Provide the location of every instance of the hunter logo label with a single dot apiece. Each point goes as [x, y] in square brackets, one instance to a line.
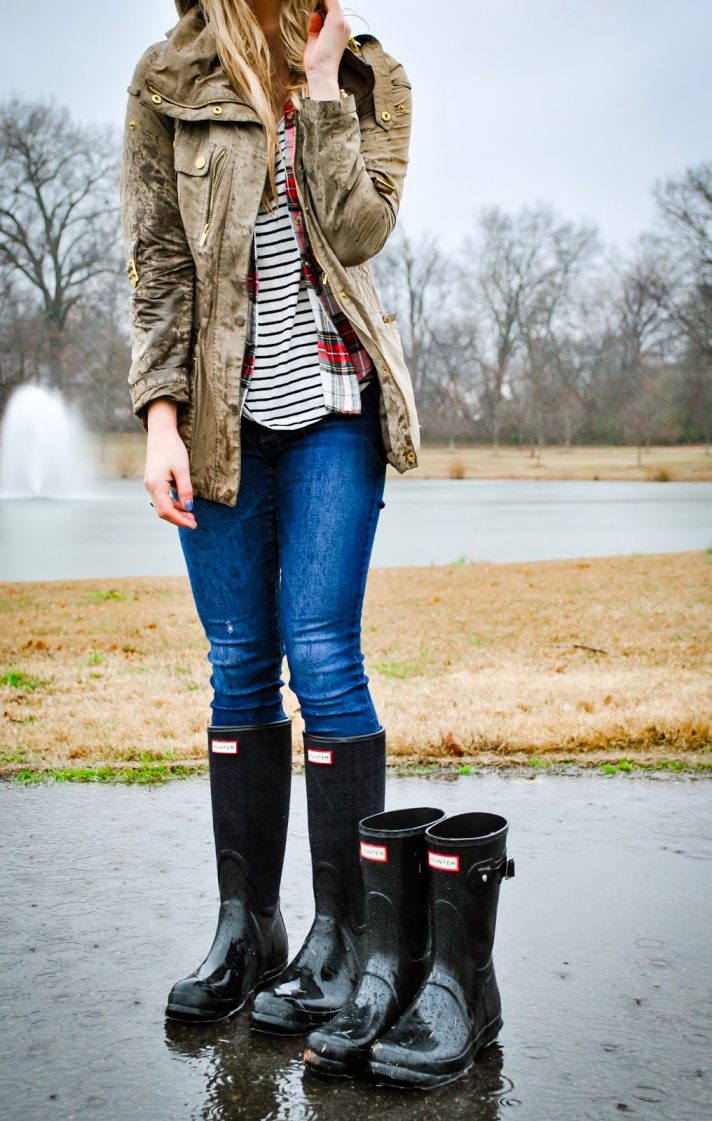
[225, 747]
[442, 862]
[379, 853]
[320, 755]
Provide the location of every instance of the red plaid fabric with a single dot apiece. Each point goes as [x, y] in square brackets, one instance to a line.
[343, 361]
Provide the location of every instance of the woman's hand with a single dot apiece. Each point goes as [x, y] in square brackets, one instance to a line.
[326, 42]
[167, 466]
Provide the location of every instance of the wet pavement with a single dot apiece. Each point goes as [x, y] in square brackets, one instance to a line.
[603, 954]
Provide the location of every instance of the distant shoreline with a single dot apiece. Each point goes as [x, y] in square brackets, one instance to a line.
[121, 455]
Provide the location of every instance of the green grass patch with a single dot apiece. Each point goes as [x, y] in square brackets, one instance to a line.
[104, 597]
[18, 679]
[409, 667]
[151, 774]
[13, 756]
[133, 755]
[625, 766]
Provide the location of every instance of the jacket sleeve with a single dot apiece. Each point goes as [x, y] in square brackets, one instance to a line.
[159, 262]
[355, 167]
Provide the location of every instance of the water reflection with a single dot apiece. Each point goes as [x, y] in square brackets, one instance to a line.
[256, 1077]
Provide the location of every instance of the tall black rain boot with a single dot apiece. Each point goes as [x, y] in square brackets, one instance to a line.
[250, 785]
[457, 1009]
[397, 938]
[345, 781]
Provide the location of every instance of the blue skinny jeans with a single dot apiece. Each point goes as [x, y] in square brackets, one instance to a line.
[284, 572]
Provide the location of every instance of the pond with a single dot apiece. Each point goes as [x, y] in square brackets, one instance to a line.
[431, 521]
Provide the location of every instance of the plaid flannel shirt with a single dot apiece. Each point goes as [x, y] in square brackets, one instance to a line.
[343, 361]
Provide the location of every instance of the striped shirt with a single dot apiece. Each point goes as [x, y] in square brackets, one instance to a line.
[303, 358]
[285, 384]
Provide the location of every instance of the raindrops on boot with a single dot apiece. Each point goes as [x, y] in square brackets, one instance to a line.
[457, 1009]
[397, 940]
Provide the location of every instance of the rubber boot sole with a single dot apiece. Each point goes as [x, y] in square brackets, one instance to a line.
[187, 1014]
[392, 1074]
[348, 1067]
[274, 1026]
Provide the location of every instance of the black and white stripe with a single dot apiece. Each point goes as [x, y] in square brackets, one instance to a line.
[285, 389]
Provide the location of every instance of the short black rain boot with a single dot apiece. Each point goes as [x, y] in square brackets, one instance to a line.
[250, 785]
[457, 1010]
[397, 938]
[345, 781]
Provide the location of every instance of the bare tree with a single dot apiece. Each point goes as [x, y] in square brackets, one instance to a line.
[415, 280]
[557, 254]
[58, 212]
[644, 340]
[20, 336]
[492, 270]
[685, 206]
[519, 271]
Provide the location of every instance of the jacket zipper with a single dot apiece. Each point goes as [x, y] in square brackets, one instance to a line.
[215, 176]
[187, 105]
[325, 279]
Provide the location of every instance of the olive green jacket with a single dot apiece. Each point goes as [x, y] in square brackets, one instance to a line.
[194, 167]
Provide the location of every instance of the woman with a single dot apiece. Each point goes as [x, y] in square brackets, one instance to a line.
[264, 160]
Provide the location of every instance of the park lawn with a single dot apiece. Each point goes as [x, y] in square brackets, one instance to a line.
[679, 463]
[593, 660]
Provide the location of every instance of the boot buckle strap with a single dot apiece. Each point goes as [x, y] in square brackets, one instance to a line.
[503, 869]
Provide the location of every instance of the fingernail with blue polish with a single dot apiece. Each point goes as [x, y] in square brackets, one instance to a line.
[189, 505]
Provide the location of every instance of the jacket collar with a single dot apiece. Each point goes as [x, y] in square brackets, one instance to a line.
[186, 67]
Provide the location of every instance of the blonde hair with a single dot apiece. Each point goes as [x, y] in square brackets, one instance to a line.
[246, 59]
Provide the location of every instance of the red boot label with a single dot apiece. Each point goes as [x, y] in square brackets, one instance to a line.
[321, 756]
[379, 853]
[225, 747]
[443, 862]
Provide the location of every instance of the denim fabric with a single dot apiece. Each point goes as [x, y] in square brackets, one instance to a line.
[284, 572]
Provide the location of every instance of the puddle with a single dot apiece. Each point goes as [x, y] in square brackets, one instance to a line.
[602, 951]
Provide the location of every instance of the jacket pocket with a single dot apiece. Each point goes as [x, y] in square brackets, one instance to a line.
[199, 171]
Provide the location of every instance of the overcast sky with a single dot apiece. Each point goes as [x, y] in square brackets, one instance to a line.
[581, 104]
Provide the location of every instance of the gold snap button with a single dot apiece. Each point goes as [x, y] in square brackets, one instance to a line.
[156, 98]
[410, 457]
[344, 294]
[385, 115]
[217, 110]
[385, 369]
[200, 162]
[400, 107]
[132, 124]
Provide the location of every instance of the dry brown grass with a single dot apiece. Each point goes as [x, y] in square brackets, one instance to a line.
[680, 463]
[571, 659]
[121, 454]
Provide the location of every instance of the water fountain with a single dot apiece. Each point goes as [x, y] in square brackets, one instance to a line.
[41, 447]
